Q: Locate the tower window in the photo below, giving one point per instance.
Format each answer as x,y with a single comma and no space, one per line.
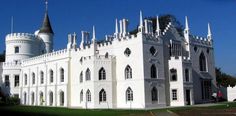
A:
17,81
17,49
127,52
202,62
152,50
174,94
173,74
7,81
102,74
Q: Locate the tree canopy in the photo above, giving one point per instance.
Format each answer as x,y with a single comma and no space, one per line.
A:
224,79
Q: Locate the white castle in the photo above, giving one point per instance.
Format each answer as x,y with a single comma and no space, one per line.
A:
150,69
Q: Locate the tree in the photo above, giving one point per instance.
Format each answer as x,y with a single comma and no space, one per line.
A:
224,79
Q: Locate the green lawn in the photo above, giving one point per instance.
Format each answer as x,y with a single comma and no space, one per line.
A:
182,111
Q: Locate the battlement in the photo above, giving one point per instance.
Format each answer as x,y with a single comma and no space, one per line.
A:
96,57
12,64
15,36
45,56
200,40
180,58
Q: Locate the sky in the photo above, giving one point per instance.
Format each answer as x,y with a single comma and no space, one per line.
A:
69,16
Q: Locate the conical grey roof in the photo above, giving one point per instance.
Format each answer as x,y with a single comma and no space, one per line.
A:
46,27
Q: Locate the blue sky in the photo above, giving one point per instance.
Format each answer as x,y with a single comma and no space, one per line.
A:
68,16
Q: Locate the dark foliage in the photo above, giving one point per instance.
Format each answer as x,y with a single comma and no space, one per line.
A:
164,21
224,79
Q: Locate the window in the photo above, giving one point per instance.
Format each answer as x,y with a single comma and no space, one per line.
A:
102,74
51,98
174,94
62,98
33,78
173,74
129,94
102,96
128,72
202,62
41,77
88,74
154,94
153,71
81,77
7,81
127,52
206,89
17,81
25,79
17,49
187,75
41,98
195,48
62,74
51,76
32,98
81,95
106,55
25,98
88,96
152,50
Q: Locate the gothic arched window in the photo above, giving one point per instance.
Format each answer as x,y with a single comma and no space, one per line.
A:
129,94
173,74
33,78
51,98
62,98
128,72
51,76
62,75
41,99
88,74
88,96
81,77
152,50
41,77
127,52
26,79
154,94
81,95
187,75
202,62
102,74
153,71
102,96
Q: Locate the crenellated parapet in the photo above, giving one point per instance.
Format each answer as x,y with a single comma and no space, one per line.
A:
97,58
11,64
20,36
54,54
200,41
168,26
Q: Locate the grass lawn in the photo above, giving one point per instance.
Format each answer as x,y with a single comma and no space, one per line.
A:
222,109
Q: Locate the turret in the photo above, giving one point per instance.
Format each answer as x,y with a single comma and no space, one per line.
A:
186,36
158,30
140,28
46,33
209,36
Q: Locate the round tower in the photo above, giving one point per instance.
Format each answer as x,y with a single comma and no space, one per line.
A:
46,33
21,46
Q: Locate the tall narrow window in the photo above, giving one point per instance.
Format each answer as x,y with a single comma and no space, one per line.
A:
102,96
88,96
202,62
41,77
129,94
17,80
25,98
33,78
128,72
102,74
187,75
62,74
81,95
25,76
154,94
174,94
17,50
51,98
51,76
62,98
153,71
41,99
173,74
81,77
32,98
88,74
7,81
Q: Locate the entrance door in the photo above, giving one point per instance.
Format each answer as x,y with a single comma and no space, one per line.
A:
187,97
